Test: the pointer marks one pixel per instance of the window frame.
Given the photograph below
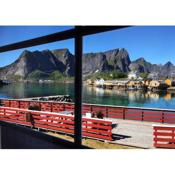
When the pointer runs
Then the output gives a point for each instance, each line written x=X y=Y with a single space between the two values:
x=77 y=34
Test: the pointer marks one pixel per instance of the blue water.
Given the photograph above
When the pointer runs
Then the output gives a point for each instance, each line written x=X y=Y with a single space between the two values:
x=91 y=95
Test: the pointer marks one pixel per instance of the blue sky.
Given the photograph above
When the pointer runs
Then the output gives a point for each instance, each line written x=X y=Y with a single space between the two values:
x=155 y=43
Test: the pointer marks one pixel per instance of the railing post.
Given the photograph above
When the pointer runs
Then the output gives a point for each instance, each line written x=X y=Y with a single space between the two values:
x=64 y=106
x=9 y=103
x=39 y=103
x=123 y=113
x=155 y=137
x=142 y=115
x=78 y=88
x=173 y=135
x=51 y=107
x=91 y=108
x=163 y=116
x=107 y=111
x=4 y=113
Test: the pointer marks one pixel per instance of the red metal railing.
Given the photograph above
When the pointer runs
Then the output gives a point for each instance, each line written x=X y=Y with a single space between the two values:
x=118 y=112
x=164 y=136
x=94 y=128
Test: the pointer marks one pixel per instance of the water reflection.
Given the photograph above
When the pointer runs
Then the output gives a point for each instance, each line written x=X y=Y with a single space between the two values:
x=133 y=95
x=23 y=90
x=168 y=96
x=153 y=95
x=92 y=95
x=130 y=98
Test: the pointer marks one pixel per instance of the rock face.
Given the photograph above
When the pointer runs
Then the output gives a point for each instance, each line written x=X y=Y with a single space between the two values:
x=45 y=61
x=62 y=60
x=117 y=59
x=141 y=65
x=168 y=69
x=67 y=60
x=94 y=62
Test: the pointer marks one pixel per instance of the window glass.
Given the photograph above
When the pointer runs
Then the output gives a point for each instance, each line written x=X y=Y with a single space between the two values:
x=41 y=78
x=13 y=34
x=128 y=79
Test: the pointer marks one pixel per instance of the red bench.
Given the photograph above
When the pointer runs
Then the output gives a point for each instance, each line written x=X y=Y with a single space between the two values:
x=164 y=136
x=93 y=128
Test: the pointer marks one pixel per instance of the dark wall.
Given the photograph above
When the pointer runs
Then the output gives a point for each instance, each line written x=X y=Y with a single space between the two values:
x=19 y=137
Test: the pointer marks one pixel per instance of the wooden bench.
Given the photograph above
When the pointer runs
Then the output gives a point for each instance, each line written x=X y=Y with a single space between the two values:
x=93 y=128
x=164 y=136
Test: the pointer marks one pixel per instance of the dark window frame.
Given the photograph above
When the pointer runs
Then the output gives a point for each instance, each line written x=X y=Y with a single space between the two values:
x=77 y=34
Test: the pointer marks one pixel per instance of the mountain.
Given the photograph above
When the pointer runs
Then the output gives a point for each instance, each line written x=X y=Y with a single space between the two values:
x=46 y=62
x=142 y=66
x=117 y=59
x=67 y=59
x=43 y=63
x=167 y=69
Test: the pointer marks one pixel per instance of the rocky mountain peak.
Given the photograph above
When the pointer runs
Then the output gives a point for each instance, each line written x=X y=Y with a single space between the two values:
x=25 y=53
x=64 y=61
x=61 y=52
x=141 y=59
x=168 y=64
x=123 y=52
x=141 y=65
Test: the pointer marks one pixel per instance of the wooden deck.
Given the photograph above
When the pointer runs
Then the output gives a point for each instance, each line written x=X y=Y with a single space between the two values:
x=133 y=133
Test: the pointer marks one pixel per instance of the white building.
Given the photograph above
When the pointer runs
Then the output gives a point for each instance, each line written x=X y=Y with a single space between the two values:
x=153 y=75
x=133 y=75
x=99 y=82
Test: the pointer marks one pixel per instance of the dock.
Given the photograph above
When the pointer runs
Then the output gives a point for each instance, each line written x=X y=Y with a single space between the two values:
x=60 y=98
x=133 y=133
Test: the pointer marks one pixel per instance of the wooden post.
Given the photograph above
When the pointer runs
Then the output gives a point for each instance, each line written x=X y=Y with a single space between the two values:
x=9 y=103
x=107 y=108
x=4 y=113
x=64 y=106
x=78 y=88
x=51 y=107
x=142 y=115
x=123 y=113
x=163 y=116
x=155 y=136
x=173 y=136
x=91 y=108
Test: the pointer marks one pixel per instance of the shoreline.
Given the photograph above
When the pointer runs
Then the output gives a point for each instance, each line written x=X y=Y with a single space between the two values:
x=44 y=82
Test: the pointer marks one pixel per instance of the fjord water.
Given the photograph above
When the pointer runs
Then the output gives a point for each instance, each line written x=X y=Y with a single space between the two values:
x=91 y=94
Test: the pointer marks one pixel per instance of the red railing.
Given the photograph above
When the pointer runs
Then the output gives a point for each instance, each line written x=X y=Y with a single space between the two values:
x=164 y=136
x=94 y=128
x=118 y=112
